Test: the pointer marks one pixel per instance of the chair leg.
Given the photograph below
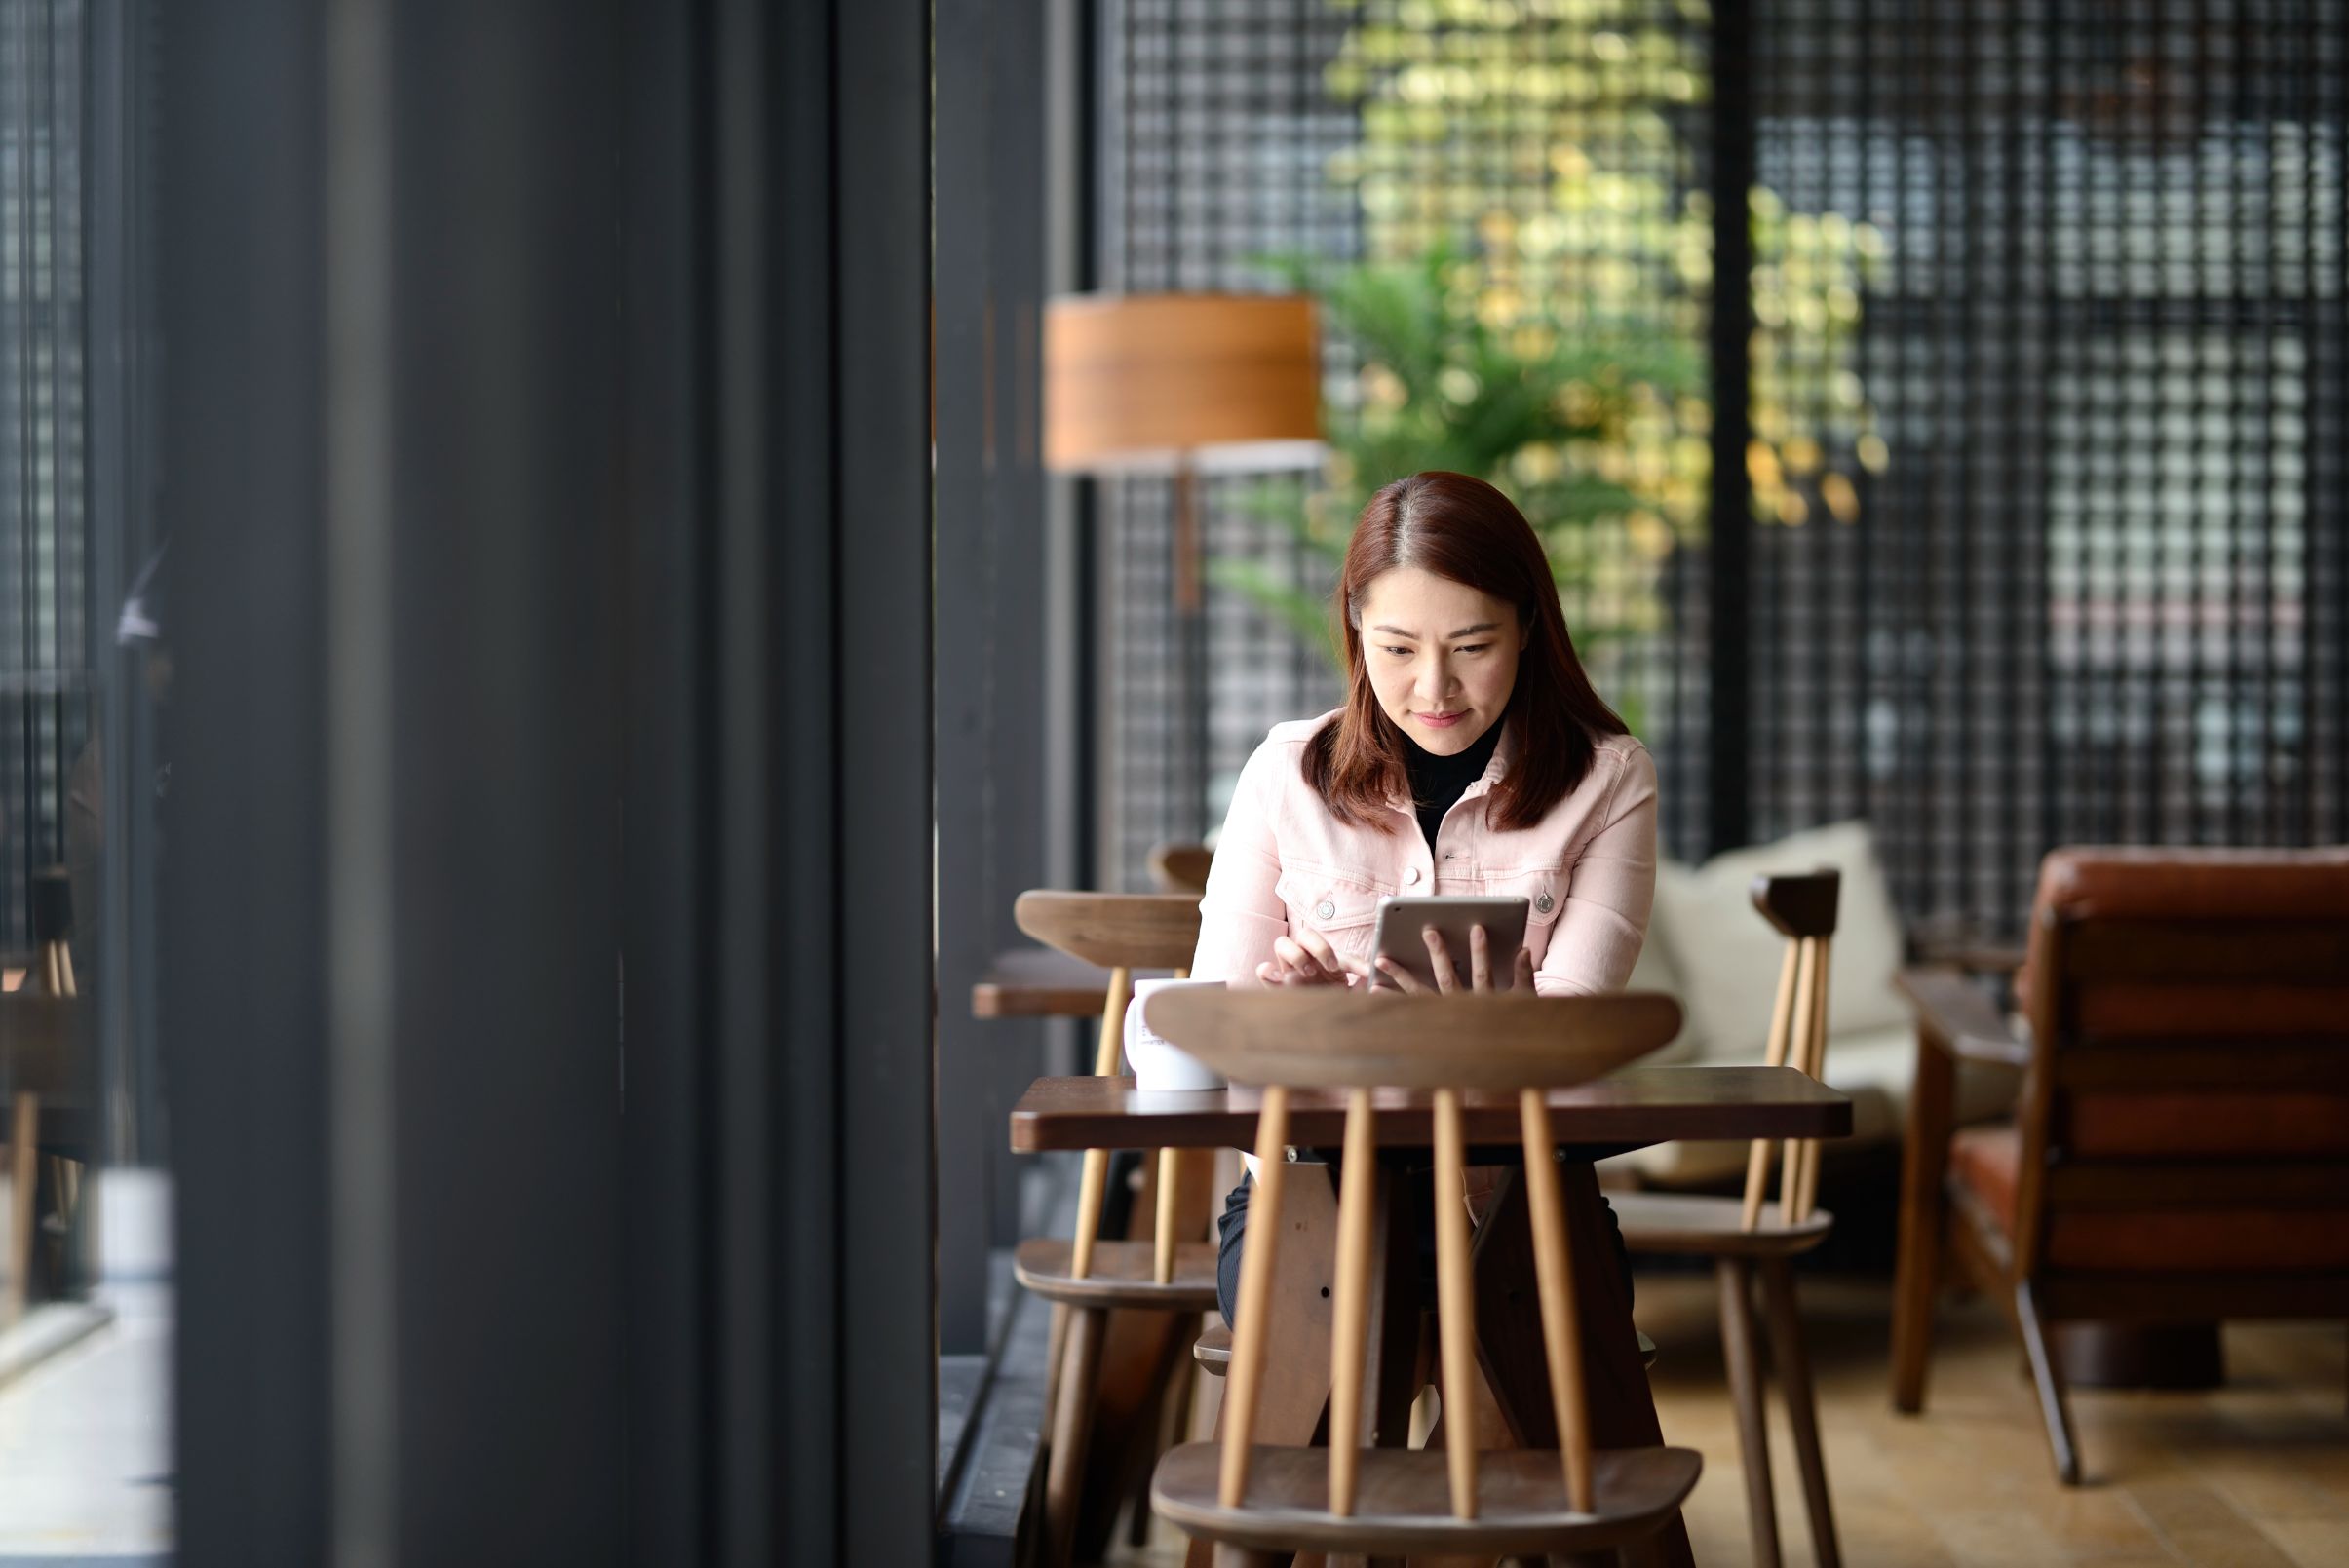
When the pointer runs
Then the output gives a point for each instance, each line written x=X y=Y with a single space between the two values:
x=1169 y=1425
x=1228 y=1556
x=1915 y=1283
x=1740 y=1352
x=1072 y=1430
x=1924 y=1219
x=2048 y=1375
x=23 y=1169
x=1794 y=1369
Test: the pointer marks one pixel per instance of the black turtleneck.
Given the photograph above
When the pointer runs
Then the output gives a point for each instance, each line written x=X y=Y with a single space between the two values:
x=1438 y=783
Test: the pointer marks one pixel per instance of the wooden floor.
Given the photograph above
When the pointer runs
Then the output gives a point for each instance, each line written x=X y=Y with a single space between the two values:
x=2253 y=1475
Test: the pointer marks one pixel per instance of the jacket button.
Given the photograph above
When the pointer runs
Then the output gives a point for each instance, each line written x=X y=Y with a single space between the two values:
x=1410 y=874
x=1545 y=904
x=1325 y=910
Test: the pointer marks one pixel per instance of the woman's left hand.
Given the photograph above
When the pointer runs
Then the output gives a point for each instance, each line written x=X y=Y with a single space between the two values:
x=1480 y=966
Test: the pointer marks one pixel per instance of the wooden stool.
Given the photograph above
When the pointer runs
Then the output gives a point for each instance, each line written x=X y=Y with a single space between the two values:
x=1746 y=1239
x=1085 y=1278
x=1258 y=1502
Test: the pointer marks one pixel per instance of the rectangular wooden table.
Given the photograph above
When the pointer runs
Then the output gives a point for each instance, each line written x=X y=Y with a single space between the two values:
x=1627 y=1110
x=1039 y=982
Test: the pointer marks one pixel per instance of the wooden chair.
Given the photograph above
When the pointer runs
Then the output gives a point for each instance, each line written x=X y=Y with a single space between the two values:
x=1086 y=1278
x=1258 y=1502
x=1181 y=867
x=1746 y=1238
x=2180 y=1153
x=36 y=1064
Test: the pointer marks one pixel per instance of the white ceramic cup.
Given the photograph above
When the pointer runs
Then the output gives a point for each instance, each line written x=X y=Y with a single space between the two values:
x=1158 y=1066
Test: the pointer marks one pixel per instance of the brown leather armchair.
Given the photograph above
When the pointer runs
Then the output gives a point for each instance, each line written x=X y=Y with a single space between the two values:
x=2180 y=1150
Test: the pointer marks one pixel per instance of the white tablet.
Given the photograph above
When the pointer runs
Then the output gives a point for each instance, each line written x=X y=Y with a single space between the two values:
x=1402 y=920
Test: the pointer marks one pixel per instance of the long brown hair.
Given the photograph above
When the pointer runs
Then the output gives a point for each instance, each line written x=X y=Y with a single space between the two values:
x=1463 y=529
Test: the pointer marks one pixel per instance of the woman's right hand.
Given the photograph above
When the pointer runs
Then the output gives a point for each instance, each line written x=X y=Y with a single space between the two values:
x=1304 y=957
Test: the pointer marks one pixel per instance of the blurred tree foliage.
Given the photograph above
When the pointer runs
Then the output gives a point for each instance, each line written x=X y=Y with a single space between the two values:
x=1531 y=302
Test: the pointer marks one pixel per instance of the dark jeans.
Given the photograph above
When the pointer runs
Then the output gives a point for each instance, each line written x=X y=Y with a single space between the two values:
x=1231 y=1230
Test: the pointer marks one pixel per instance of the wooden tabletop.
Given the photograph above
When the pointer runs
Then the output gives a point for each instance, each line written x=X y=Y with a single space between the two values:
x=1041 y=982
x=1629 y=1109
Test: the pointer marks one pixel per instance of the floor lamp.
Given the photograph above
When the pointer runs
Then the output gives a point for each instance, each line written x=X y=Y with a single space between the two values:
x=1177 y=386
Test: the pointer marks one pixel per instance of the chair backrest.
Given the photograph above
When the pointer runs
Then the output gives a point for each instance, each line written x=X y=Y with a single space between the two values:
x=1803 y=907
x=1127 y=931
x=1123 y=932
x=1181 y=867
x=2187 y=1103
x=1446 y=1044
x=38 y=1042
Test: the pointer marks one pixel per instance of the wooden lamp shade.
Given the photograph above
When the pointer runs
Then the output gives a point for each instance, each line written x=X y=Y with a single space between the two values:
x=1154 y=383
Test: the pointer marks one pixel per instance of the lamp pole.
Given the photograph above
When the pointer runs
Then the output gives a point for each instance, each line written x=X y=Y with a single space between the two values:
x=1191 y=647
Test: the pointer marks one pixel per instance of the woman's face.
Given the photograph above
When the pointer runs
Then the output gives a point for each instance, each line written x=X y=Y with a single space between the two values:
x=1442 y=656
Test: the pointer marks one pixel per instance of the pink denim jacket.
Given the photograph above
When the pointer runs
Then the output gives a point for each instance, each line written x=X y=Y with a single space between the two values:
x=1586 y=870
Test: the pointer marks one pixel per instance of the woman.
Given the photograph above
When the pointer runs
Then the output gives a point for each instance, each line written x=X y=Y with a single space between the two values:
x=1472 y=756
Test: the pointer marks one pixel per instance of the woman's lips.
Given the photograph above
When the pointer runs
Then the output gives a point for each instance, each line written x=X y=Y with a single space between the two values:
x=1441 y=721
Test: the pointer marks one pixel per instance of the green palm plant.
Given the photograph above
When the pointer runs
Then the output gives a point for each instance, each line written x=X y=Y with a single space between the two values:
x=1539 y=413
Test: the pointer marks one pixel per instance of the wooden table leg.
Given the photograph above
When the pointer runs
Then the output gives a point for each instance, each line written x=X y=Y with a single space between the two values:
x=1401 y=1215
x=1509 y=1339
x=1140 y=1357
x=1296 y=1390
x=1071 y=1430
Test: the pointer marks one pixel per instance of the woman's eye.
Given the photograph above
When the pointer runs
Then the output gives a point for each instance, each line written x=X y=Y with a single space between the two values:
x=1474 y=647
x=1397 y=652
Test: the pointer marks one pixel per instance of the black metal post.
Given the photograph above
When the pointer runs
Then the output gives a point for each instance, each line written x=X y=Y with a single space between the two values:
x=1729 y=341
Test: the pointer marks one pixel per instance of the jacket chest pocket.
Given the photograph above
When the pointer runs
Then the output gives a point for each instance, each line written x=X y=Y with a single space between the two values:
x=1544 y=890
x=1341 y=909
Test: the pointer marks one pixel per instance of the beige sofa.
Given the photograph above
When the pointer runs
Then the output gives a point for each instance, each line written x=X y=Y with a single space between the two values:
x=1708 y=946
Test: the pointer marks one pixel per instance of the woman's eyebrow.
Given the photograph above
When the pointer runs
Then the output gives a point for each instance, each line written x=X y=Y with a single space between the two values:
x=1464 y=631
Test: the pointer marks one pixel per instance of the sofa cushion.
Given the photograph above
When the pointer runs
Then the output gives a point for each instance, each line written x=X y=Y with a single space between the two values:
x=1655 y=971
x=1728 y=958
x=1986 y=1163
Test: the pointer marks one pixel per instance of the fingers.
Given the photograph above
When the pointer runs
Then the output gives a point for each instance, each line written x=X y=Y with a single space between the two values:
x=1480 y=959
x=1299 y=964
x=1525 y=972
x=1440 y=959
x=1400 y=979
x=1335 y=964
x=1324 y=954
x=1306 y=957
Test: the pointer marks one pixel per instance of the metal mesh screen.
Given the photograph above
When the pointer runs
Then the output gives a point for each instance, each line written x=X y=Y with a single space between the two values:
x=2045 y=519
x=1562 y=149
x=1221 y=135
x=2087 y=585
x=44 y=693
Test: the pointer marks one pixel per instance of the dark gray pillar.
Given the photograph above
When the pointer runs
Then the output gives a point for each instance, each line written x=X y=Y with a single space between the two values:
x=991 y=689
x=548 y=989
